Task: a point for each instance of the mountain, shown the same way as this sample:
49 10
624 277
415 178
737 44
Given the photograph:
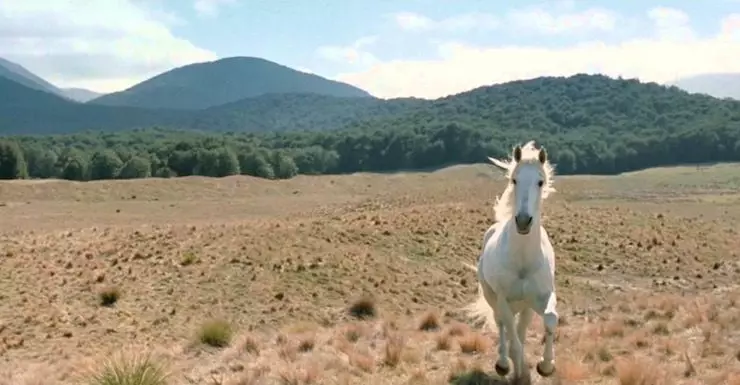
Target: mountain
19 74
589 123
80 94
203 85
581 104
720 85
31 111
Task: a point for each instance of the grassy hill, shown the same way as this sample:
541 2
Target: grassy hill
203 85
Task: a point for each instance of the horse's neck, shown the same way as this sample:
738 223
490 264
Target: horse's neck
526 246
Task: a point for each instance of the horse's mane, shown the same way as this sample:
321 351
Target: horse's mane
504 207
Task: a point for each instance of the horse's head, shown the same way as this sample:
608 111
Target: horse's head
530 181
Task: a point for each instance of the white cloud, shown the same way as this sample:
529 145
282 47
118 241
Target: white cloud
536 19
539 20
414 22
100 45
210 8
354 54
672 51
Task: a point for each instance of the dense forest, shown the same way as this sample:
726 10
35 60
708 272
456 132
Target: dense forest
589 124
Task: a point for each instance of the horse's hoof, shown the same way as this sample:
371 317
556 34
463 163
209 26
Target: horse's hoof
545 373
501 370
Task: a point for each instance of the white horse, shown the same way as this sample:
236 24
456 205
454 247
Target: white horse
516 270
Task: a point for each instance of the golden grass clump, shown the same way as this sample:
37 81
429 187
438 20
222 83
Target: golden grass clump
129 370
216 333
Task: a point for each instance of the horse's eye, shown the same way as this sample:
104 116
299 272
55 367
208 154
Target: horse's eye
540 183
513 181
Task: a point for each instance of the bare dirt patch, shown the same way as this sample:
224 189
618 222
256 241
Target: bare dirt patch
647 274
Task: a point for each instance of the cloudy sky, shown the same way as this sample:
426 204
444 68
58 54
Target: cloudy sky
423 48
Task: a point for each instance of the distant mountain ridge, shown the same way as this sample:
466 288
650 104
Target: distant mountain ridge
80 94
209 84
719 85
20 74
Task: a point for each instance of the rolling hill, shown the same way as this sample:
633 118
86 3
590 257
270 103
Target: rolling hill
717 85
203 85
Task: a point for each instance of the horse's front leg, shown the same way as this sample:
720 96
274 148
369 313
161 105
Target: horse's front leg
502 363
546 309
505 317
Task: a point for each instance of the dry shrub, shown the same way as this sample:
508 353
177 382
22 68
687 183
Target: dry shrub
473 342
354 332
307 343
288 352
458 329
639 371
613 329
393 351
363 308
429 322
250 344
216 333
253 377
361 360
444 341
129 370
300 376
569 370
109 295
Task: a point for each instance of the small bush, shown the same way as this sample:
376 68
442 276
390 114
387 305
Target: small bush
216 333
109 296
363 308
188 259
129 371
430 321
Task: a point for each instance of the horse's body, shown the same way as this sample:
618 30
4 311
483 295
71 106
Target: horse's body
516 269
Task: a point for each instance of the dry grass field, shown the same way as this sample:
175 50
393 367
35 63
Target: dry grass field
358 279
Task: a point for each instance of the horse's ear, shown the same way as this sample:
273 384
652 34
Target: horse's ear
543 155
503 166
517 153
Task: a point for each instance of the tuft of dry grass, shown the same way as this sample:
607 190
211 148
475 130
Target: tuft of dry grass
393 351
216 333
129 370
639 371
473 343
429 322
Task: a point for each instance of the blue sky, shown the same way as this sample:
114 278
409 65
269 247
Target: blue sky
426 48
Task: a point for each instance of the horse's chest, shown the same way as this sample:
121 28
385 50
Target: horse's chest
521 287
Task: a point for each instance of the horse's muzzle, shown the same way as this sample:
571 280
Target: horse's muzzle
523 223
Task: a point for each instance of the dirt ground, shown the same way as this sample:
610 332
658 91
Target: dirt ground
647 270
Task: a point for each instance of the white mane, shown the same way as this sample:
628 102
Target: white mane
504 207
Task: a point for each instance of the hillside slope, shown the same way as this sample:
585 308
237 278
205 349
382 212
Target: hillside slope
203 85
31 111
19 74
717 85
